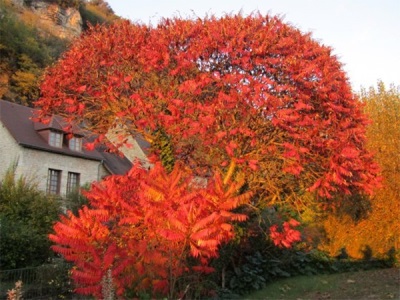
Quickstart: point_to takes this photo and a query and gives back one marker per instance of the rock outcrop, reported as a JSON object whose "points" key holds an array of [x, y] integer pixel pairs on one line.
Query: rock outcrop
{"points": [[65, 23]]}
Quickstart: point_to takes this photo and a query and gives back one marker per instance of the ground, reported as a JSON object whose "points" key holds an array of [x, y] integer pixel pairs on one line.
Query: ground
{"points": [[372, 284]]}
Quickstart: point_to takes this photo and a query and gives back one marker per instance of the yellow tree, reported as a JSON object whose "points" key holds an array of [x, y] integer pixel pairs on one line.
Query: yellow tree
{"points": [[379, 231]]}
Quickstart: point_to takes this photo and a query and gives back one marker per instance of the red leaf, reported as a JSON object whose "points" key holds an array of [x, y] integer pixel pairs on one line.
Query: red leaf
{"points": [[127, 79], [90, 146], [253, 164], [81, 89], [350, 153]]}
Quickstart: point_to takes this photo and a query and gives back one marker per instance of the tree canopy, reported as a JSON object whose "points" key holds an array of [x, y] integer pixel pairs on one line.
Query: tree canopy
{"points": [[250, 89]]}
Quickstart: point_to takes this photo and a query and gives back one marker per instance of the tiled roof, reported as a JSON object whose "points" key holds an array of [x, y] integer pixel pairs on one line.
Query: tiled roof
{"points": [[17, 119]]}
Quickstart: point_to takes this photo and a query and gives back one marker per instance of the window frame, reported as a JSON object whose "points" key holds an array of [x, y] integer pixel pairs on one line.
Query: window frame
{"points": [[55, 139], [53, 181], [75, 143], [73, 182]]}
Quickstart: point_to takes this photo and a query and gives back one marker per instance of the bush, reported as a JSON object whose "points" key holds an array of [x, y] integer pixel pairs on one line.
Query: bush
{"points": [[26, 218], [75, 200], [245, 269]]}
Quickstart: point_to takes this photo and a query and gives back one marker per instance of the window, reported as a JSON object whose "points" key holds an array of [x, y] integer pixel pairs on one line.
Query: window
{"points": [[73, 182], [75, 143], [53, 182], [55, 139]]}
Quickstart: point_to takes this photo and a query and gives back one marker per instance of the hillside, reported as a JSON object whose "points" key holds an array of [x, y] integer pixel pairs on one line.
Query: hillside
{"points": [[33, 34]]}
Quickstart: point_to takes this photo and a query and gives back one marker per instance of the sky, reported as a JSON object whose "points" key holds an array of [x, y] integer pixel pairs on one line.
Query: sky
{"points": [[364, 34]]}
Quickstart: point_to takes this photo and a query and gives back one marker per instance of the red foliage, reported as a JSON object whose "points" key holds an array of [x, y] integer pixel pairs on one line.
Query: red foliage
{"points": [[144, 226], [287, 236], [247, 90], [250, 88]]}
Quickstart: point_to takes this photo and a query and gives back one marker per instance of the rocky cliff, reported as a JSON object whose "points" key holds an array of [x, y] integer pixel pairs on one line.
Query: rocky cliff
{"points": [[34, 34], [65, 23]]}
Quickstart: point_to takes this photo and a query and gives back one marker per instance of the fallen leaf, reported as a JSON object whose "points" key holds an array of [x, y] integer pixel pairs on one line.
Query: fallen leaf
{"points": [[350, 281]]}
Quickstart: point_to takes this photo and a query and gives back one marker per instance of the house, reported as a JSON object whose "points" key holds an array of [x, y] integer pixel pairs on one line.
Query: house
{"points": [[58, 162]]}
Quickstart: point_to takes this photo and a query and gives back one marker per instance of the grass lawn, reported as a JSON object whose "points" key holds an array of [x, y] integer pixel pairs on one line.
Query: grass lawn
{"points": [[371, 284]]}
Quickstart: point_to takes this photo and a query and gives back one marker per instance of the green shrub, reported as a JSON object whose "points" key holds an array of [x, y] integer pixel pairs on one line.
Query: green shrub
{"points": [[26, 218], [75, 200], [250, 269]]}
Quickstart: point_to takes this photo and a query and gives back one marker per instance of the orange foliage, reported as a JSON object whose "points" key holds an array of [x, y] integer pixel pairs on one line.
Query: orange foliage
{"points": [[144, 226], [251, 95], [250, 89], [379, 231]]}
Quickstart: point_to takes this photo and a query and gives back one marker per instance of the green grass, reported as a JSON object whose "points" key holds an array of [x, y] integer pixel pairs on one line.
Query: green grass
{"points": [[372, 284]]}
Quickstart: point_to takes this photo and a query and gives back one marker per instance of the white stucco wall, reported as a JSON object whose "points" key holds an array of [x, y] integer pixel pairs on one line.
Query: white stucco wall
{"points": [[34, 164]]}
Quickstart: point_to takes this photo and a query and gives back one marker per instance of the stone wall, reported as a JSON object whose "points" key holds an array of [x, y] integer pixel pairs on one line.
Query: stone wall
{"points": [[65, 22], [9, 150], [37, 163]]}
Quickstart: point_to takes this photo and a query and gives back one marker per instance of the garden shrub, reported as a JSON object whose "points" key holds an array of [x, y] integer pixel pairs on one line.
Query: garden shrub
{"points": [[26, 217], [259, 269]]}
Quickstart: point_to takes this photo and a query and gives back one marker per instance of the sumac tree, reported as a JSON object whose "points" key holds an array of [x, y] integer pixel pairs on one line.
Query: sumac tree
{"points": [[250, 95], [250, 89], [143, 227]]}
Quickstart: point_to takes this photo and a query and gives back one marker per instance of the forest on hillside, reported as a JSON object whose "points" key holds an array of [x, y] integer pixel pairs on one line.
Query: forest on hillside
{"points": [[26, 49]]}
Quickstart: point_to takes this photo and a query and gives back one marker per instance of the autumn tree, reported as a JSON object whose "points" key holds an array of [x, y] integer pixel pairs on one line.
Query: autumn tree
{"points": [[253, 90], [378, 229], [250, 97], [143, 227]]}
